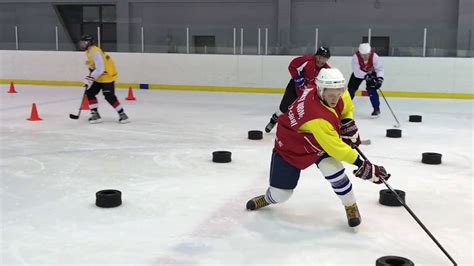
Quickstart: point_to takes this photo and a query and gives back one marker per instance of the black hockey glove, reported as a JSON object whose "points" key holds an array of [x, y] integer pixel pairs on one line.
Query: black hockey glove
{"points": [[378, 82]]}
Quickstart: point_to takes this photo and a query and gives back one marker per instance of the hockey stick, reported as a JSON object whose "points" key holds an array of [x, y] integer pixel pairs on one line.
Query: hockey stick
{"points": [[72, 116], [397, 125], [411, 213]]}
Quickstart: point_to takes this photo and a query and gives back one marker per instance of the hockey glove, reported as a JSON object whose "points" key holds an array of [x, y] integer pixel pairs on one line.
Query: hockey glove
{"points": [[350, 133], [368, 77], [299, 81], [88, 81], [374, 173], [378, 82]]}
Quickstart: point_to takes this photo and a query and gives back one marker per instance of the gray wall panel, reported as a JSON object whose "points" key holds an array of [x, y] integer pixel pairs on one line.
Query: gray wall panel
{"points": [[465, 32], [343, 23], [291, 24], [165, 23], [36, 27]]}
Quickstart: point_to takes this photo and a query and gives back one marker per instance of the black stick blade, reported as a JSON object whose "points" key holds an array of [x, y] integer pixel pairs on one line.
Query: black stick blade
{"points": [[73, 116]]}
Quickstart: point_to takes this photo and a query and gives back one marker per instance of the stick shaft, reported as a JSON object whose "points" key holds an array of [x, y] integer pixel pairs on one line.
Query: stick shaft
{"points": [[411, 213], [80, 106], [395, 117]]}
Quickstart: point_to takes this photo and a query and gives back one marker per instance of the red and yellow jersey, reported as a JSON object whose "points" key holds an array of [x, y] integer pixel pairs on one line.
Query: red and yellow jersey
{"points": [[110, 73], [311, 129], [305, 66]]}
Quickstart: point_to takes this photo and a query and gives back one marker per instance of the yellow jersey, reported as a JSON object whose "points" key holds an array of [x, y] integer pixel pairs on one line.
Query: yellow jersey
{"points": [[110, 73]]}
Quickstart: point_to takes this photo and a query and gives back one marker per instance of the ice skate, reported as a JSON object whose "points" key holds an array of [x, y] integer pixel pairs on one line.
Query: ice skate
{"points": [[257, 203], [375, 113], [353, 216], [123, 118], [95, 118]]}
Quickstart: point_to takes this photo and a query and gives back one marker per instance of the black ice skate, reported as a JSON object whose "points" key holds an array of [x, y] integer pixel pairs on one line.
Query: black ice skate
{"points": [[123, 118], [95, 118], [353, 216], [257, 203], [375, 113], [272, 123]]}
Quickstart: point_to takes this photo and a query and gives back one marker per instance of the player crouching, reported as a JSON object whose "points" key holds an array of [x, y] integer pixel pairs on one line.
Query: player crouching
{"points": [[318, 129]]}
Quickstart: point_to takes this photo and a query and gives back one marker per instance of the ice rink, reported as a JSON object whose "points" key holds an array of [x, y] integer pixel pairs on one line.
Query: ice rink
{"points": [[180, 208]]}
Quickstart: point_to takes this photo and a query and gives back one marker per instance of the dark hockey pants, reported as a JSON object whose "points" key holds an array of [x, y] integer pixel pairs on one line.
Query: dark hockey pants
{"points": [[353, 86]]}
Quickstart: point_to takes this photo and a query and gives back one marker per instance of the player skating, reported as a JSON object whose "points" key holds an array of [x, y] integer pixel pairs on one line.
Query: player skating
{"points": [[303, 71], [102, 76], [318, 129]]}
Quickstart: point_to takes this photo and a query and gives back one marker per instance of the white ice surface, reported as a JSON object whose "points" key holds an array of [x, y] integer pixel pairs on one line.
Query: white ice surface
{"points": [[179, 208]]}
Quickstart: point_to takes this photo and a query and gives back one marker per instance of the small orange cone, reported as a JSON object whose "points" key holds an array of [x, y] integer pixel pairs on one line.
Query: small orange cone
{"points": [[85, 103], [130, 96], [34, 114], [12, 88]]}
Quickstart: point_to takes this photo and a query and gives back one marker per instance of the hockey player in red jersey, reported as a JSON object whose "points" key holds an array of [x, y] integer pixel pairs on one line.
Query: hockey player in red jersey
{"points": [[318, 129], [366, 65], [303, 71]]}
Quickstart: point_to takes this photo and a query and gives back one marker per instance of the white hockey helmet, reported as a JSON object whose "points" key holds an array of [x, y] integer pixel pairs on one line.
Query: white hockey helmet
{"points": [[364, 48], [330, 78]]}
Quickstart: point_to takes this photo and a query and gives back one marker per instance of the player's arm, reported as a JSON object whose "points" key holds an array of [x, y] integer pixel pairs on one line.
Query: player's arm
{"points": [[378, 66], [99, 65], [349, 130], [329, 139], [296, 65]]}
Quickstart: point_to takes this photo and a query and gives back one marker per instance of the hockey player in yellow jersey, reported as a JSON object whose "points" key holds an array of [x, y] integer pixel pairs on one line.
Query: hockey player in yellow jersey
{"points": [[102, 76]]}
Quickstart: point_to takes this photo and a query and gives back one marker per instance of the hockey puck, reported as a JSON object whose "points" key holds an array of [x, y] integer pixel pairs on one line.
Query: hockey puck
{"points": [[221, 156], [394, 133], [255, 134], [388, 198], [414, 118], [108, 198], [393, 261], [431, 158]]}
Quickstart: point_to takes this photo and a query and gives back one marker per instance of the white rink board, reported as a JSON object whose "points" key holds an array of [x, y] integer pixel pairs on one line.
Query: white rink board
{"points": [[403, 74]]}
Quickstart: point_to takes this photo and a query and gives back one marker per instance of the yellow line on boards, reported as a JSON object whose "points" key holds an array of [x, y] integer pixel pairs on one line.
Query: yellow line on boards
{"points": [[401, 94]]}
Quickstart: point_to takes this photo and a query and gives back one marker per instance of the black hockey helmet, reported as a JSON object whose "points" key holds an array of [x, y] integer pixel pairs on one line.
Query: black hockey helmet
{"points": [[87, 38], [86, 41], [323, 51]]}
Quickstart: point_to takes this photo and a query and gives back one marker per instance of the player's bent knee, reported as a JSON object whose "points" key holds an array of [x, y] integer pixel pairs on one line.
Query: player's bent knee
{"points": [[278, 195], [90, 94], [330, 166], [110, 98]]}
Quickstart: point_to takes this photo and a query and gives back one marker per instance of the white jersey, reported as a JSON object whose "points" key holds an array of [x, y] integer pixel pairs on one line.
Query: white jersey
{"points": [[359, 73]]}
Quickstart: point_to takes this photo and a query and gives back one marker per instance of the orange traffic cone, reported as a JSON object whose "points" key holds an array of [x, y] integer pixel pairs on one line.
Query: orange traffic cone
{"points": [[85, 103], [12, 88], [130, 96], [34, 114]]}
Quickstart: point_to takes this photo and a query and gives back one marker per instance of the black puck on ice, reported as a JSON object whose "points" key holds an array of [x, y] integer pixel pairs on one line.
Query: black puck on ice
{"points": [[393, 261], [431, 158], [255, 134], [221, 156], [108, 198], [388, 198], [394, 133], [414, 118]]}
